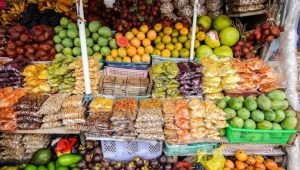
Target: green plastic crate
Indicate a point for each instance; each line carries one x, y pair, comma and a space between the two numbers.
187, 150
236, 135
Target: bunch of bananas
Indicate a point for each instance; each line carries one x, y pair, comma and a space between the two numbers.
12, 13
63, 6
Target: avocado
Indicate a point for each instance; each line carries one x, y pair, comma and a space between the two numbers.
41, 156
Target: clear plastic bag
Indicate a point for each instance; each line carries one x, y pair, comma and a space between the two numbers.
34, 137
52, 104
28, 125
288, 46
48, 125
51, 117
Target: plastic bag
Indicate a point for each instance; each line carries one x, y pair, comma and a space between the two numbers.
215, 163
288, 43
294, 155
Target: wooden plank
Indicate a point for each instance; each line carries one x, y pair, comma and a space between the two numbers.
59, 130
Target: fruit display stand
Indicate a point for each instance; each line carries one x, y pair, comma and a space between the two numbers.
125, 150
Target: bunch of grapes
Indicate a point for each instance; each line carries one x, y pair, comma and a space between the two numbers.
265, 33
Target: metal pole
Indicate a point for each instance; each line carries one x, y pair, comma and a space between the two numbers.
84, 54
194, 30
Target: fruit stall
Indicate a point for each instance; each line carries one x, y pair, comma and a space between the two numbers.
149, 85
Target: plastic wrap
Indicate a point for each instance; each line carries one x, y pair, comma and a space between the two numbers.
214, 5
288, 45
73, 101
51, 117
52, 104
28, 125
34, 137
11, 136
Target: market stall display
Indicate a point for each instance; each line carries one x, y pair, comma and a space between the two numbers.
152, 95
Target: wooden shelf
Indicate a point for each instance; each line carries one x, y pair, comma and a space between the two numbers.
248, 13
60, 130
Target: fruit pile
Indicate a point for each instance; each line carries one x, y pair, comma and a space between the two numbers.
265, 32
242, 160
35, 44
219, 40
137, 13
60, 76
99, 38
173, 41
267, 111
97, 10
3, 41
32, 17
134, 47
36, 78
244, 49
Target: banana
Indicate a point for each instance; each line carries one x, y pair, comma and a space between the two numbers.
65, 2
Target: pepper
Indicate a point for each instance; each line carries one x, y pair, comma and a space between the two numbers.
65, 146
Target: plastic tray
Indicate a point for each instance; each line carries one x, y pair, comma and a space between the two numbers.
127, 150
158, 59
190, 149
236, 135
137, 66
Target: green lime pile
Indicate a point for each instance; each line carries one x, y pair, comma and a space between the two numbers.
99, 38
266, 112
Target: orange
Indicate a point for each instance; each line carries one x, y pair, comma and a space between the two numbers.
158, 27
140, 50
166, 39
136, 59
178, 25
135, 42
144, 28
118, 35
127, 60
146, 58
151, 35
166, 53
141, 35
146, 42
114, 53
184, 31
156, 52
135, 31
149, 49
122, 52
168, 30
129, 36
131, 51
109, 58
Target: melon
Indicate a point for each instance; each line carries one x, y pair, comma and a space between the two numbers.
122, 41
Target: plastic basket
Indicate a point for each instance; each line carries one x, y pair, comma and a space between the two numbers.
127, 150
236, 135
250, 148
187, 150
113, 71
137, 66
158, 59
